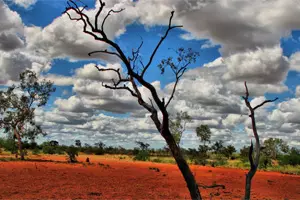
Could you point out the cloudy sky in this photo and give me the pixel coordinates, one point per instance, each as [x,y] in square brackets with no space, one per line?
[238,40]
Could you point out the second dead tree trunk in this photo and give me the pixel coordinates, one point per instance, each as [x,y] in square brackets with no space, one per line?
[253,163]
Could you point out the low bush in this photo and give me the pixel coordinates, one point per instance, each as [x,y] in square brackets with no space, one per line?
[157,160]
[142,155]
[36,151]
[72,153]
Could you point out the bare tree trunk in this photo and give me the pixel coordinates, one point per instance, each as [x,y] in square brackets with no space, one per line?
[19,144]
[183,166]
[253,163]
[249,177]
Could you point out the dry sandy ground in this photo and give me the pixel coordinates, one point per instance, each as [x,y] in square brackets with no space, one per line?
[132,180]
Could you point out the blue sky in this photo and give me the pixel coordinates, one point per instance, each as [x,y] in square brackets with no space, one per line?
[259,46]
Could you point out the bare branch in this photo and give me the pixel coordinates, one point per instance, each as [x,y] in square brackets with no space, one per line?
[102,4]
[159,43]
[105,51]
[178,74]
[118,73]
[266,101]
[253,163]
[114,11]
[124,87]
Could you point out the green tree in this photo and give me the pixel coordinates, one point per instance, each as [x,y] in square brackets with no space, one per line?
[274,147]
[204,133]
[218,147]
[178,125]
[99,148]
[72,153]
[78,143]
[143,153]
[229,150]
[292,158]
[17,111]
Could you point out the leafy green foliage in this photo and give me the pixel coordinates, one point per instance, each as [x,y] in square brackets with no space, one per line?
[99,150]
[180,64]
[52,148]
[72,153]
[218,147]
[18,103]
[264,161]
[36,151]
[274,147]
[77,143]
[9,144]
[204,133]
[177,126]
[293,158]
[244,154]
[228,151]
[143,153]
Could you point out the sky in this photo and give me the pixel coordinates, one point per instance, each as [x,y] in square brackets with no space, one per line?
[253,41]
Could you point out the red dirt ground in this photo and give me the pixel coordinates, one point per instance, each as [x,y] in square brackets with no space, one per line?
[132,180]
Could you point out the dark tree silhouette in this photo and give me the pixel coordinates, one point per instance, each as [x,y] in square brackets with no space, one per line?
[253,163]
[135,72]
[78,143]
[17,111]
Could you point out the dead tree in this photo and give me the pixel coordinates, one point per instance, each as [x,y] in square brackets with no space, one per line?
[135,72]
[253,163]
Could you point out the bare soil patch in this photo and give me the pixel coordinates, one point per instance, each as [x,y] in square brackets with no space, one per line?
[113,179]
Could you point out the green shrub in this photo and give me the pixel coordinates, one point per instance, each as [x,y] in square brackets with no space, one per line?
[200,161]
[157,160]
[142,155]
[264,161]
[47,149]
[99,151]
[292,159]
[36,151]
[72,153]
[220,160]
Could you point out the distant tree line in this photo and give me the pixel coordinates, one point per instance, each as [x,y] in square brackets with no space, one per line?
[215,154]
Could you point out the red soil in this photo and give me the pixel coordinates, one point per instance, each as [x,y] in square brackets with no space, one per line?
[133,180]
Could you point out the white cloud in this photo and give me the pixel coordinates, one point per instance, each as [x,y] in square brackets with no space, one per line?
[59,80]
[236,25]
[11,27]
[297,93]
[25,3]
[260,66]
[295,61]
[90,72]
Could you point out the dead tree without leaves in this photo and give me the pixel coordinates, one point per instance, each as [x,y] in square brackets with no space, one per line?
[253,163]
[135,72]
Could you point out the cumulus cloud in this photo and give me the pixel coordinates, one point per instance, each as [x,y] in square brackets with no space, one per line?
[64,38]
[295,61]
[297,93]
[248,32]
[24,3]
[59,80]
[11,28]
[236,25]
[260,66]
[12,64]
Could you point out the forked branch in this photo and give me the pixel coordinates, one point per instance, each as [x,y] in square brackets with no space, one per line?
[170,27]
[253,163]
